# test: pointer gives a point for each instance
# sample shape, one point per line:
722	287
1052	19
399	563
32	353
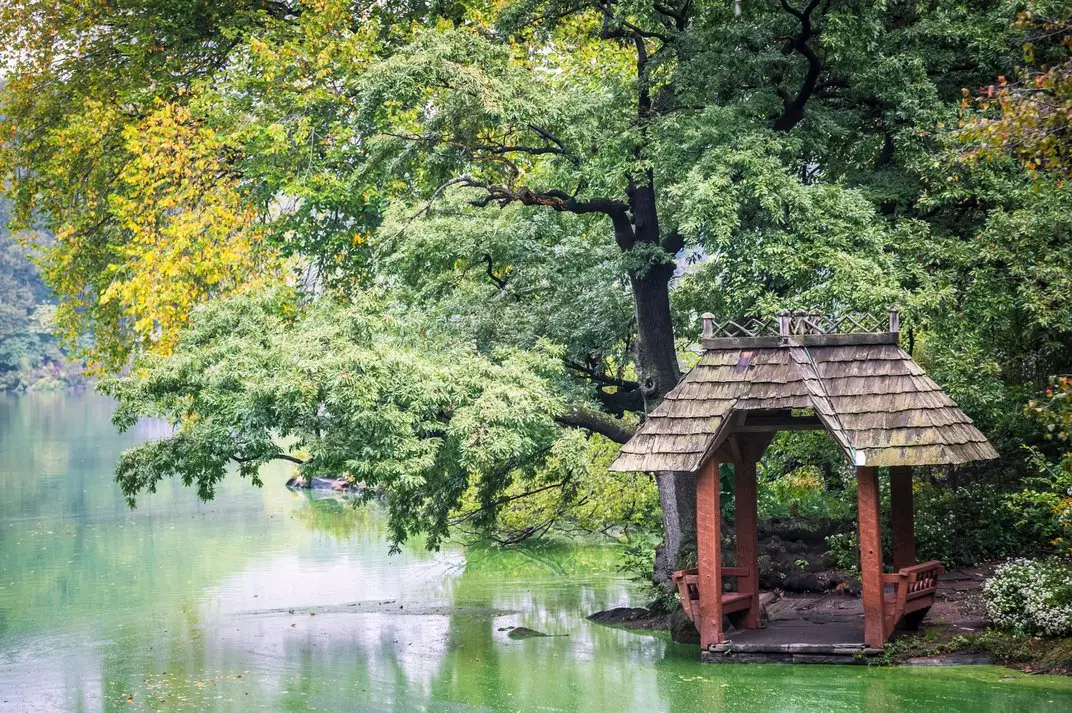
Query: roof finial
895	320
708	325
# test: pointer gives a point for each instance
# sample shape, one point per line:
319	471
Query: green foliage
636	563
967	526
804	474
1005	647
1053	411
377	395
844	550
476	163
1031	597
593	501
800	493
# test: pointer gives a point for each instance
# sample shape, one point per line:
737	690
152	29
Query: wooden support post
747	539
902	517
867	499
709	555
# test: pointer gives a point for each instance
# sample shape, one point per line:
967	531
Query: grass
1027	653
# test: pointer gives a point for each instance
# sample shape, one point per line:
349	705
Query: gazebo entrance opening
838	374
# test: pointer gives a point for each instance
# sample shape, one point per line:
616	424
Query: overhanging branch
596	422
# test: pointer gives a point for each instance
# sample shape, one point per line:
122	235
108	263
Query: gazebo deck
818	638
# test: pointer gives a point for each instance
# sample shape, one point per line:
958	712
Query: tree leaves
362	391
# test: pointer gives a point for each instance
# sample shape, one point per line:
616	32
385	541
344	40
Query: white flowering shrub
1031	597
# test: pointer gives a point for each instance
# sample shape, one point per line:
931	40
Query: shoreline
955	631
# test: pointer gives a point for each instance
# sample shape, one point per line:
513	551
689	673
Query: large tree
520	172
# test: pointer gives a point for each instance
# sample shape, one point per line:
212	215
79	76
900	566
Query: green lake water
267	600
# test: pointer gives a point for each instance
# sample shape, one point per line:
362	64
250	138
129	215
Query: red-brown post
902	517
747	538
870	556
709	555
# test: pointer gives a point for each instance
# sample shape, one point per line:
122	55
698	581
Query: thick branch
620	401
794	108
599	377
560	201
596	422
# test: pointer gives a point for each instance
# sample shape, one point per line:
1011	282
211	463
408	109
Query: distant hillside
30	358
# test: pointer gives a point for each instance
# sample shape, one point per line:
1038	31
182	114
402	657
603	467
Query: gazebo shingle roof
873	399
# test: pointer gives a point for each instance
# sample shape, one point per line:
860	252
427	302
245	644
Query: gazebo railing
799	322
914	592
688	591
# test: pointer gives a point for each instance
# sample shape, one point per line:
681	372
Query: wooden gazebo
846	375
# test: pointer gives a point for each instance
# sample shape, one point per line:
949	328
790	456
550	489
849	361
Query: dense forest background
30	355
456	251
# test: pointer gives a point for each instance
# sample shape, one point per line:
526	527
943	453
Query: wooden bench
913	595
688	589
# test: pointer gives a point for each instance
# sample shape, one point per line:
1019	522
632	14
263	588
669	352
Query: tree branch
596	422
502	501
277	456
553	198
599	377
793	112
499	282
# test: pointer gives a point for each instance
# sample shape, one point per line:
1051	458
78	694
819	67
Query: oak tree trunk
677	496
656	356
657	366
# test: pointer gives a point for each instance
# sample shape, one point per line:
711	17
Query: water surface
268	600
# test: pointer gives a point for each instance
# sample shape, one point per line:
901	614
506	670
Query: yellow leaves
190	230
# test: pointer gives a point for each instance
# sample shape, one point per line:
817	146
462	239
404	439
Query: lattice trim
799	322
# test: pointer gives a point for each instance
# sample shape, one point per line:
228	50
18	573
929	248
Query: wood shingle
874	400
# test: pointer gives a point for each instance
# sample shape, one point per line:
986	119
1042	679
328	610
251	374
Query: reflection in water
271	600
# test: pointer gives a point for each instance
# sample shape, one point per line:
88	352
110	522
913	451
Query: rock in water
682	630
619	615
523	632
336	485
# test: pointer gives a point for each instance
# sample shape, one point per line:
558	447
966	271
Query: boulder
523	632
335	485
620	615
682	630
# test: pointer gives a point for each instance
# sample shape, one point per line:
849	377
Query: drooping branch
277	456
793	112
596	422
469	515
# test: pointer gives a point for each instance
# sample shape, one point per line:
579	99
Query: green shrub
968	525
1031	597
844	549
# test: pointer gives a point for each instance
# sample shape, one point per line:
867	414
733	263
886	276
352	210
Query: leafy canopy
357	390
